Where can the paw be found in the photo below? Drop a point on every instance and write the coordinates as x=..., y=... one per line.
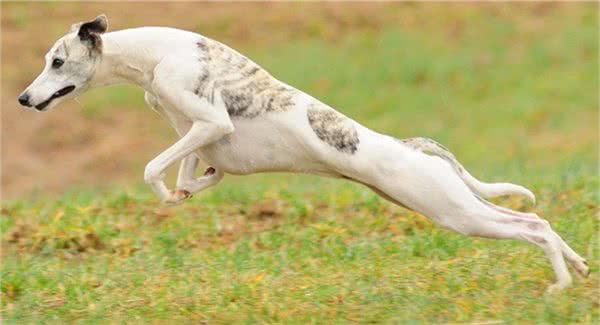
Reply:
x=178, y=196
x=582, y=268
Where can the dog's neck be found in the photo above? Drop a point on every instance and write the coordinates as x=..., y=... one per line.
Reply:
x=124, y=60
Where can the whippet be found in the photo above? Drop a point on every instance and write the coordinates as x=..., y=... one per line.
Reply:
x=236, y=117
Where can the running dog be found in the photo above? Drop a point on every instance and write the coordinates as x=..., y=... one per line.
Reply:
x=236, y=117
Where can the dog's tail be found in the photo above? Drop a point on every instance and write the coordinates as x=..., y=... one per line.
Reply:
x=480, y=188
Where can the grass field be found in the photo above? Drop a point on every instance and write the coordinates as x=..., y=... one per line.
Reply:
x=512, y=91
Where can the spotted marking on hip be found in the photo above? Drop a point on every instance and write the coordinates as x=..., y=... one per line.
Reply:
x=432, y=148
x=333, y=128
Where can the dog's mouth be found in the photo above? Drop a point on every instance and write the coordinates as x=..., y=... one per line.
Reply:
x=60, y=93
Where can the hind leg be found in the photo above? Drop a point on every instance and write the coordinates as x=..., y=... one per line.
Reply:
x=433, y=189
x=576, y=261
x=485, y=222
x=490, y=224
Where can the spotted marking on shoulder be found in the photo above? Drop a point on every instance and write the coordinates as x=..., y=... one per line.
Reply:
x=256, y=98
x=333, y=128
x=247, y=90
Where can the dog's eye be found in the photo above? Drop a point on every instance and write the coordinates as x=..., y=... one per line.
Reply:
x=57, y=63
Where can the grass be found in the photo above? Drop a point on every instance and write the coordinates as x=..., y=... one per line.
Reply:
x=512, y=101
x=314, y=252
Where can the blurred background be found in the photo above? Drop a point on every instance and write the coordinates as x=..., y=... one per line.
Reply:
x=508, y=81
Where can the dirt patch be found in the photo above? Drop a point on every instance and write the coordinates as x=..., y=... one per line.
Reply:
x=27, y=238
x=266, y=210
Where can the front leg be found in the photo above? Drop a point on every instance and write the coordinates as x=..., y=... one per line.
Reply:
x=188, y=185
x=187, y=168
x=188, y=164
x=200, y=134
x=210, y=120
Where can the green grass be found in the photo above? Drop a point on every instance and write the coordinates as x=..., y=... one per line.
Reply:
x=318, y=252
x=512, y=103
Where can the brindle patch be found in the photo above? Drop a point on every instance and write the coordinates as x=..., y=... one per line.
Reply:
x=255, y=99
x=202, y=45
x=237, y=102
x=251, y=72
x=246, y=89
x=333, y=128
x=432, y=148
x=202, y=82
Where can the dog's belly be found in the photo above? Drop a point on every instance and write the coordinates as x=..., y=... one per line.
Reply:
x=260, y=145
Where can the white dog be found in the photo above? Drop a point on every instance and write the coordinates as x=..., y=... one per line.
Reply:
x=235, y=116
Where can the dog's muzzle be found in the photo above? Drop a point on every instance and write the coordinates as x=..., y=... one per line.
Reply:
x=60, y=93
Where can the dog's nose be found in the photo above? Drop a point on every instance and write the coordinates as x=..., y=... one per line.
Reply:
x=24, y=99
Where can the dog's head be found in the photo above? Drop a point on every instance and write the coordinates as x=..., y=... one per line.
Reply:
x=70, y=65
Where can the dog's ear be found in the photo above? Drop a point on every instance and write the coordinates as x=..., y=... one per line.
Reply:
x=90, y=31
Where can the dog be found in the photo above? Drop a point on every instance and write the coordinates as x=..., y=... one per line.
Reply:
x=237, y=118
